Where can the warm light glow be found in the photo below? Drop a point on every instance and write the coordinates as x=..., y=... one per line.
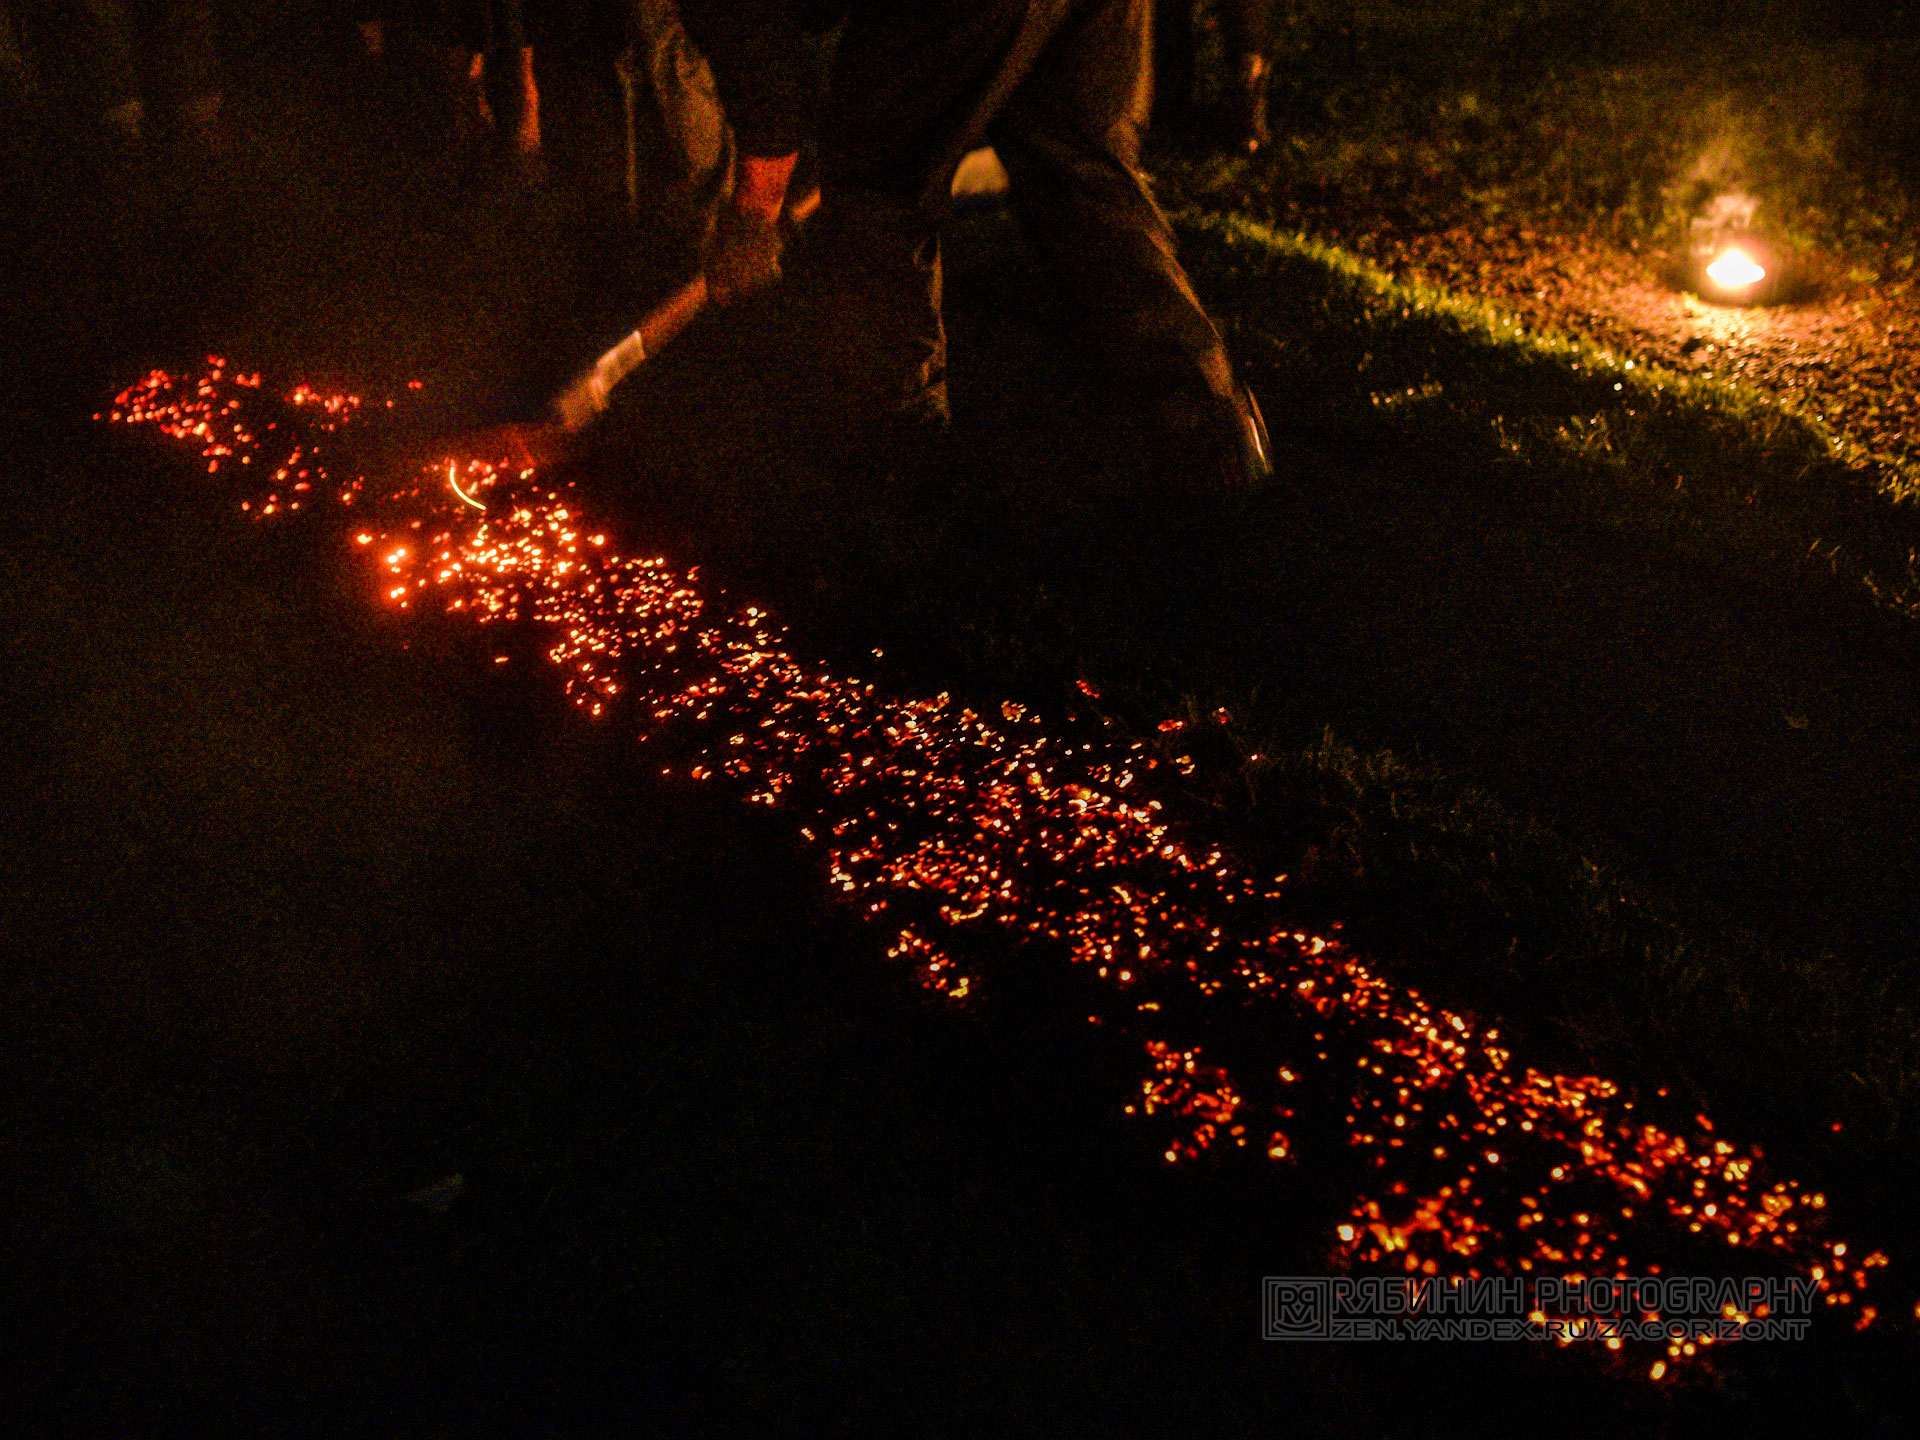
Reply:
x=1736, y=270
x=997, y=837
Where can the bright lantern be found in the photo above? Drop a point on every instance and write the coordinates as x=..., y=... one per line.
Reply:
x=1735, y=270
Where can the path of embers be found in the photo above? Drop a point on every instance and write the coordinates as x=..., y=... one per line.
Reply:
x=981, y=842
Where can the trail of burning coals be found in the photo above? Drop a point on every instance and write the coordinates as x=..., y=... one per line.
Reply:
x=985, y=840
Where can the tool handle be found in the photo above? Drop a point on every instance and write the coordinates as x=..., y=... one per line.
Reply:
x=672, y=315
x=582, y=401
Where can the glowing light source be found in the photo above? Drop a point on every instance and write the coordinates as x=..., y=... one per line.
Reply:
x=1736, y=270
x=983, y=841
x=1732, y=259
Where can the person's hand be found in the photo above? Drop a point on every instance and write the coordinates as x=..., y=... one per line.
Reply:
x=745, y=253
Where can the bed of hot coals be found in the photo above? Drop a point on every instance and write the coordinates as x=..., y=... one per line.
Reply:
x=980, y=837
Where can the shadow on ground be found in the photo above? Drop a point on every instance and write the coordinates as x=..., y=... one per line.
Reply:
x=312, y=910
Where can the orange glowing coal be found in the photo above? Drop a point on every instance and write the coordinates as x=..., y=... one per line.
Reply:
x=1736, y=270
x=984, y=840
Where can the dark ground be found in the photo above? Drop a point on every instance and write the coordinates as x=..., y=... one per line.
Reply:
x=307, y=909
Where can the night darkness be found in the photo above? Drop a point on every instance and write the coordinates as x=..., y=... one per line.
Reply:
x=761, y=915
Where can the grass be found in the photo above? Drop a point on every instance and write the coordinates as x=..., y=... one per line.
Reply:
x=315, y=920
x=1764, y=498
x=1617, y=118
x=1461, y=876
x=319, y=910
x=1450, y=879
x=1466, y=898
x=1734, y=478
x=1729, y=482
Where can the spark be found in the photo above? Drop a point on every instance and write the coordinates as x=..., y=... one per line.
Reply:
x=453, y=480
x=987, y=839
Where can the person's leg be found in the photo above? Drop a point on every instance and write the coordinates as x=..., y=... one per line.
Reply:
x=13, y=60
x=106, y=34
x=803, y=193
x=370, y=19
x=1249, y=35
x=1070, y=138
x=507, y=36
x=473, y=113
x=1173, y=62
x=680, y=148
x=1248, y=28
x=467, y=28
x=526, y=128
x=871, y=275
x=195, y=78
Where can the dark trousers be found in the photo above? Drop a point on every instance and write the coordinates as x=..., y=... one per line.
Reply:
x=1246, y=30
x=177, y=33
x=1060, y=89
x=489, y=25
x=479, y=25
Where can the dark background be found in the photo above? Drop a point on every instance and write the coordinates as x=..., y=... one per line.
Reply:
x=305, y=908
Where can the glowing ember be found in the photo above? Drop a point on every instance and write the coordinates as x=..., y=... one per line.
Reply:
x=981, y=843
x=1736, y=270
